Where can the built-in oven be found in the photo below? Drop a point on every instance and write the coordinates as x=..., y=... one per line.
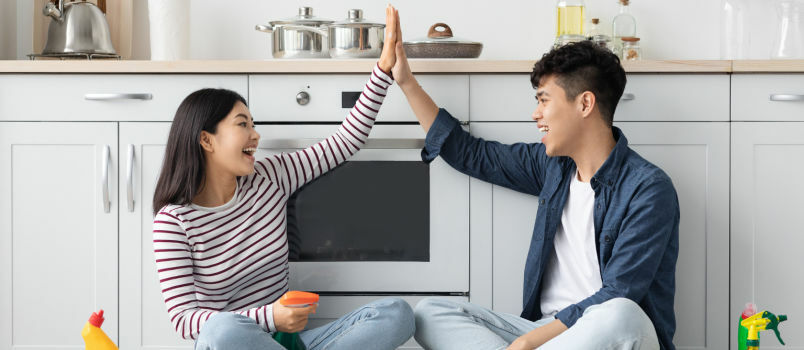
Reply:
x=382, y=222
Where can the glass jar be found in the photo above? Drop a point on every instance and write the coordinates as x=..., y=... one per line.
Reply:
x=630, y=49
x=623, y=25
x=569, y=20
x=789, y=42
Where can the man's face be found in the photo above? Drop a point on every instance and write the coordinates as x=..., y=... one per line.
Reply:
x=559, y=118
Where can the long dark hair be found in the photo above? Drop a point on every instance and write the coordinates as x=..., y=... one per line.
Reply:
x=183, y=167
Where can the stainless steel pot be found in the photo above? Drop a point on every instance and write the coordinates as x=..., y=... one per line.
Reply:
x=303, y=36
x=355, y=37
x=77, y=27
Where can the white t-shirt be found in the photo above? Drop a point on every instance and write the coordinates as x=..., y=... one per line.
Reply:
x=572, y=273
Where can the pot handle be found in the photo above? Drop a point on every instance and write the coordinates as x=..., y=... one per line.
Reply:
x=446, y=32
x=264, y=28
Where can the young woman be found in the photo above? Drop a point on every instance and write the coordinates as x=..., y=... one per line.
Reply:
x=220, y=237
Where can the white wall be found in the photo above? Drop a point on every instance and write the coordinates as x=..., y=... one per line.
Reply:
x=509, y=29
x=8, y=30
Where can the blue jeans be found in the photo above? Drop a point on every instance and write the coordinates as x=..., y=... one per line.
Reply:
x=383, y=324
x=615, y=324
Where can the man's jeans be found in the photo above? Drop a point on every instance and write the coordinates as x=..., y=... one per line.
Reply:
x=615, y=324
x=383, y=324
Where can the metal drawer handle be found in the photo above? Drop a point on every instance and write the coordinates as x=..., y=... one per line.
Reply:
x=105, y=178
x=786, y=97
x=370, y=144
x=130, y=178
x=123, y=96
x=627, y=96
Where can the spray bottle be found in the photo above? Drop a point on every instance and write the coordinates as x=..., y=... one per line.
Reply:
x=742, y=332
x=294, y=298
x=759, y=322
x=94, y=337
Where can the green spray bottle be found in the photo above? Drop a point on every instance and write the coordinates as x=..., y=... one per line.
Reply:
x=742, y=332
x=294, y=298
x=761, y=321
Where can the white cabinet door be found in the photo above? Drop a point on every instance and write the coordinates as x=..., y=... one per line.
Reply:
x=767, y=240
x=58, y=241
x=143, y=318
x=512, y=218
x=695, y=156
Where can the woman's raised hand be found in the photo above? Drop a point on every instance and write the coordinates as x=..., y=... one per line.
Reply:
x=392, y=36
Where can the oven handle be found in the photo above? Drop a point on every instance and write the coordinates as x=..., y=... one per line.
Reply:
x=370, y=144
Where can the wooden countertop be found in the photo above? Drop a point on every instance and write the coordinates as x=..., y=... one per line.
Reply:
x=364, y=65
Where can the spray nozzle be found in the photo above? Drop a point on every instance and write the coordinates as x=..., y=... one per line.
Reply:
x=762, y=321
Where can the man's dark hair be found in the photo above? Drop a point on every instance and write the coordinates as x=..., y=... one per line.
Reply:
x=584, y=66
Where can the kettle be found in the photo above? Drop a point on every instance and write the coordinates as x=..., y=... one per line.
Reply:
x=77, y=27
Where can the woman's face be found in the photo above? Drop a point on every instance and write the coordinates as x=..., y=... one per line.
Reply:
x=231, y=148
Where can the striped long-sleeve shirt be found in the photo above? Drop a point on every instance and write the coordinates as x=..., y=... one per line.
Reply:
x=234, y=258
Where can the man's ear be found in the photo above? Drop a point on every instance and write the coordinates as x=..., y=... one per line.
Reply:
x=206, y=141
x=587, y=103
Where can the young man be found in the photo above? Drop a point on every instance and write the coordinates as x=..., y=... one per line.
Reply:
x=600, y=272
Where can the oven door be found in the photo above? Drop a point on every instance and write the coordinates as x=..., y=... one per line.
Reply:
x=383, y=221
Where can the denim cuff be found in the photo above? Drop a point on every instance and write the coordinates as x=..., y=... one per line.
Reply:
x=570, y=315
x=442, y=127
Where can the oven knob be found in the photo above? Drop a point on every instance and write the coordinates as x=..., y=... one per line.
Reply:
x=302, y=98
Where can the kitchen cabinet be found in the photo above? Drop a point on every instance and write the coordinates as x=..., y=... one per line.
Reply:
x=767, y=97
x=695, y=156
x=59, y=243
x=58, y=232
x=647, y=97
x=766, y=236
x=731, y=149
x=142, y=310
x=103, y=97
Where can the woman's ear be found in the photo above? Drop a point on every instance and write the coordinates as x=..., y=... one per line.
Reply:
x=206, y=141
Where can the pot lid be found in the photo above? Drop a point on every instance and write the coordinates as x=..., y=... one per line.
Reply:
x=444, y=35
x=355, y=19
x=305, y=17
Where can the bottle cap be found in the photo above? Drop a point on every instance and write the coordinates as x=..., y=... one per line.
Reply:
x=595, y=20
x=750, y=310
x=96, y=319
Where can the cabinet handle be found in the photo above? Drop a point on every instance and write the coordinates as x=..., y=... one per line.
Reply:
x=110, y=97
x=627, y=96
x=786, y=97
x=130, y=178
x=105, y=178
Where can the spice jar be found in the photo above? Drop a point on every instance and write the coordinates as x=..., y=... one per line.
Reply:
x=631, y=50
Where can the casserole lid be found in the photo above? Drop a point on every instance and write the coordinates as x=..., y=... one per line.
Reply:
x=442, y=36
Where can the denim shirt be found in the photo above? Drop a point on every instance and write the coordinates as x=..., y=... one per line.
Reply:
x=636, y=217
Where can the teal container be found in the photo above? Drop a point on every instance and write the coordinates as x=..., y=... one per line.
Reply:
x=291, y=341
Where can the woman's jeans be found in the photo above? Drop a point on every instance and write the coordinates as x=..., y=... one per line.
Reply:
x=616, y=324
x=383, y=324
